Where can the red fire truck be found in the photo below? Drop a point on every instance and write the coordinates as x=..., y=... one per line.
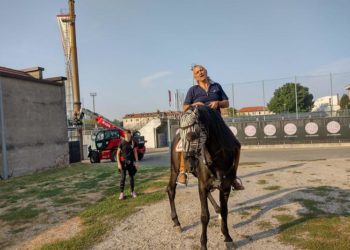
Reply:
x=108, y=139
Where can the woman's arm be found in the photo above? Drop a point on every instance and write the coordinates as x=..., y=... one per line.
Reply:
x=136, y=157
x=224, y=104
x=220, y=104
x=118, y=159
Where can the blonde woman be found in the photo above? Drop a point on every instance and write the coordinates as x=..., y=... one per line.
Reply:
x=209, y=93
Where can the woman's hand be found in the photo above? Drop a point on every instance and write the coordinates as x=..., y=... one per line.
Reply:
x=197, y=104
x=214, y=104
x=137, y=165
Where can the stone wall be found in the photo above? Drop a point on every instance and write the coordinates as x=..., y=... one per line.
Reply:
x=35, y=122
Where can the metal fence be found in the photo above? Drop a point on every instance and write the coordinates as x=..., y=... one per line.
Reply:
x=291, y=131
x=260, y=92
x=287, y=130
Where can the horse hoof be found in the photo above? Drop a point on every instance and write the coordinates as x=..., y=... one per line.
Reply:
x=230, y=245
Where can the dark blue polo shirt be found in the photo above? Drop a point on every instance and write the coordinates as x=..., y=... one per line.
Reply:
x=198, y=94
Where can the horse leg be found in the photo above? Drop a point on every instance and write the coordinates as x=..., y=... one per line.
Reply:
x=203, y=195
x=171, y=189
x=215, y=205
x=224, y=195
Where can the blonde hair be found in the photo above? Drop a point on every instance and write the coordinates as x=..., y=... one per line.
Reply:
x=193, y=66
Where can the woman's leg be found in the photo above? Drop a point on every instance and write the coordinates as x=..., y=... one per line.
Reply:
x=122, y=180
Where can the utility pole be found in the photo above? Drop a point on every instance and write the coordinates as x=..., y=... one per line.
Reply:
x=75, y=75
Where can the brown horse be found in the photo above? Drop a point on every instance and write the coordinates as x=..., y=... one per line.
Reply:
x=214, y=164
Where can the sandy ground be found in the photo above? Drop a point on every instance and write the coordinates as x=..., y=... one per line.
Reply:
x=249, y=210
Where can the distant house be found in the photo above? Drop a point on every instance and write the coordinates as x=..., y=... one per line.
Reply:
x=347, y=87
x=138, y=120
x=326, y=104
x=253, y=111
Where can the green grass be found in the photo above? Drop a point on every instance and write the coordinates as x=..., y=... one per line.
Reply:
x=263, y=225
x=254, y=207
x=280, y=209
x=313, y=232
x=297, y=172
x=252, y=163
x=88, y=191
x=17, y=214
x=49, y=193
x=284, y=218
x=100, y=217
x=64, y=200
x=272, y=188
x=244, y=214
x=311, y=160
x=316, y=229
x=261, y=182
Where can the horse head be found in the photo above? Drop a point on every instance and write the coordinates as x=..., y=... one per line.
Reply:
x=193, y=136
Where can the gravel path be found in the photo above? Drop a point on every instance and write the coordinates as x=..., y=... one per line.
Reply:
x=249, y=210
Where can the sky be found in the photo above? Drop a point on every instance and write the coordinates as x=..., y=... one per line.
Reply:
x=132, y=52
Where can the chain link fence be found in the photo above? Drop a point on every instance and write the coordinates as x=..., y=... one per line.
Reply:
x=259, y=93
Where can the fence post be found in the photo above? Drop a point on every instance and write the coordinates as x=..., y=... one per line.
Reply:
x=331, y=81
x=296, y=97
x=264, y=101
x=233, y=96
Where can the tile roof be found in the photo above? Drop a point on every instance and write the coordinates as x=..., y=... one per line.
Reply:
x=152, y=114
x=253, y=109
x=14, y=72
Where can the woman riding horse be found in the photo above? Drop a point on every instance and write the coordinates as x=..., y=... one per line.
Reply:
x=208, y=93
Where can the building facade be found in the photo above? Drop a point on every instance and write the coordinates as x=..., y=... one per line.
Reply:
x=254, y=111
x=138, y=120
x=326, y=104
x=34, y=119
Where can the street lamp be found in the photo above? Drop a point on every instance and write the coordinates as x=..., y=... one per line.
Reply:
x=93, y=94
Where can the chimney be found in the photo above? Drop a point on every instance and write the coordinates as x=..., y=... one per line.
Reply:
x=36, y=72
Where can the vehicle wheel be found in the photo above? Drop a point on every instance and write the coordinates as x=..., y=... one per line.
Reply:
x=94, y=157
x=114, y=156
x=140, y=156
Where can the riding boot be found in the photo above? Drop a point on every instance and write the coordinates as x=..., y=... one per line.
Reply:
x=182, y=178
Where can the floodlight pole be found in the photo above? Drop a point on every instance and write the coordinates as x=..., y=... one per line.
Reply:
x=75, y=74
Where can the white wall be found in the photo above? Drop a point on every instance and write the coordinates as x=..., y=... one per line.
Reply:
x=148, y=131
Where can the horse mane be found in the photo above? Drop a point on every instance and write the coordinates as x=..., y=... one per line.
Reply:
x=219, y=134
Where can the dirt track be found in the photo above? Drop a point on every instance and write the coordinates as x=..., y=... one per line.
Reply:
x=249, y=211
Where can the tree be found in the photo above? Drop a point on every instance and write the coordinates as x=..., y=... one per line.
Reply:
x=344, y=102
x=117, y=122
x=283, y=99
x=231, y=111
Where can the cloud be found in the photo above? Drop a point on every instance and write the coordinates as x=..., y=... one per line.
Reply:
x=149, y=80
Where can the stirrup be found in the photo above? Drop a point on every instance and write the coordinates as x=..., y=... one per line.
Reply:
x=186, y=182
